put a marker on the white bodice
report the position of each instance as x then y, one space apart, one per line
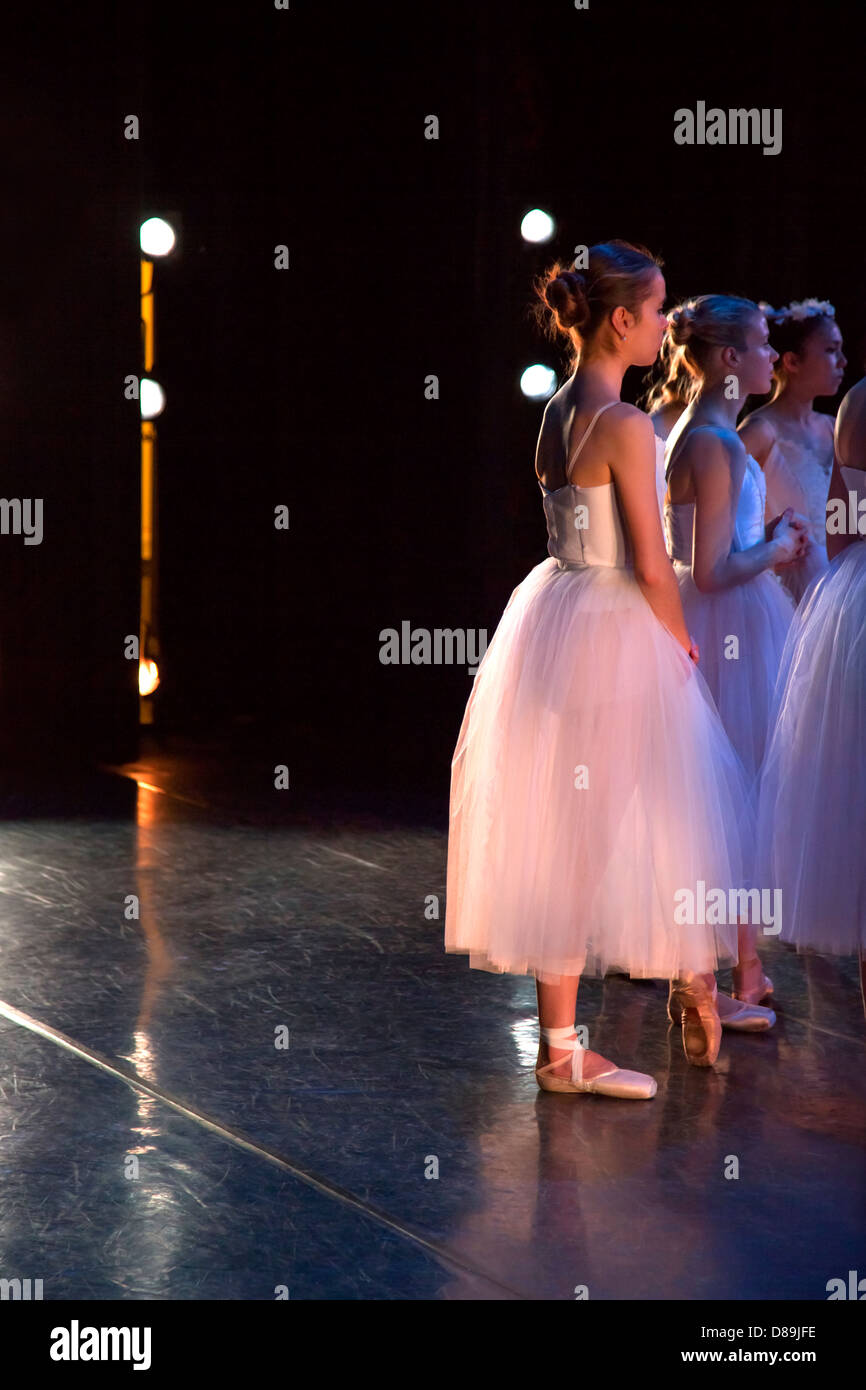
748 522
798 476
584 524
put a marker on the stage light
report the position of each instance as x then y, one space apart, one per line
156 237
148 676
152 398
537 226
538 382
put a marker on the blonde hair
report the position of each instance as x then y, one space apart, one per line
671 382
707 322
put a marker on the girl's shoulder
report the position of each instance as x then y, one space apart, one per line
826 424
713 446
626 421
759 432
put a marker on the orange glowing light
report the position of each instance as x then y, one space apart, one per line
148 677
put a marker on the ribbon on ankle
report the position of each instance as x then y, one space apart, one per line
559 1038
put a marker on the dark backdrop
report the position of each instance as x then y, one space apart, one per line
68 333
306 387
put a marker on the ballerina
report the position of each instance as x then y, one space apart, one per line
551 459
592 779
723 551
812 804
792 441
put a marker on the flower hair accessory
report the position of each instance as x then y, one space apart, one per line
797 311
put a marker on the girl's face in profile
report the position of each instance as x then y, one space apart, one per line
755 367
650 328
821 363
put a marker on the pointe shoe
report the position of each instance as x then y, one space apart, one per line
693 1004
754 994
623 1085
748 1018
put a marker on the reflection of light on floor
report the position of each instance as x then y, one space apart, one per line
508 1158
525 1035
156 1247
142 1059
160 1199
159 962
146 805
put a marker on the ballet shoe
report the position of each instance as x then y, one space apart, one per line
748 1018
751 994
622 1085
693 1004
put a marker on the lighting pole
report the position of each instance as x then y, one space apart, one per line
157 239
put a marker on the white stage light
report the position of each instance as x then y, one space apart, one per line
538 382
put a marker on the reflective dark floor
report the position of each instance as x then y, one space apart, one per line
398 1146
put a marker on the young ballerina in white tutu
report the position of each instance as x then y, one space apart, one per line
723 553
723 550
813 783
592 780
792 441
677 387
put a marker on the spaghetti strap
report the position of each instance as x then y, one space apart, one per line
669 457
587 432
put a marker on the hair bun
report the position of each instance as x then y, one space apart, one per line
681 323
566 295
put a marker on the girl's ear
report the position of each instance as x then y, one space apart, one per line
730 356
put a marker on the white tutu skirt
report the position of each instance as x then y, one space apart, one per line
591 783
812 806
758 614
797 578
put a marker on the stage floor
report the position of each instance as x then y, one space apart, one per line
303 1169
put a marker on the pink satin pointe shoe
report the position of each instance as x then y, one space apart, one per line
758 987
746 1018
693 1004
623 1085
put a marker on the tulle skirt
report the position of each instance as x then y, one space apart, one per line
741 635
593 790
812 808
797 578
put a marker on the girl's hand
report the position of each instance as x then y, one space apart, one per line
788 538
795 519
805 552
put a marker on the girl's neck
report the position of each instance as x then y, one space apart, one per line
715 406
600 373
794 406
